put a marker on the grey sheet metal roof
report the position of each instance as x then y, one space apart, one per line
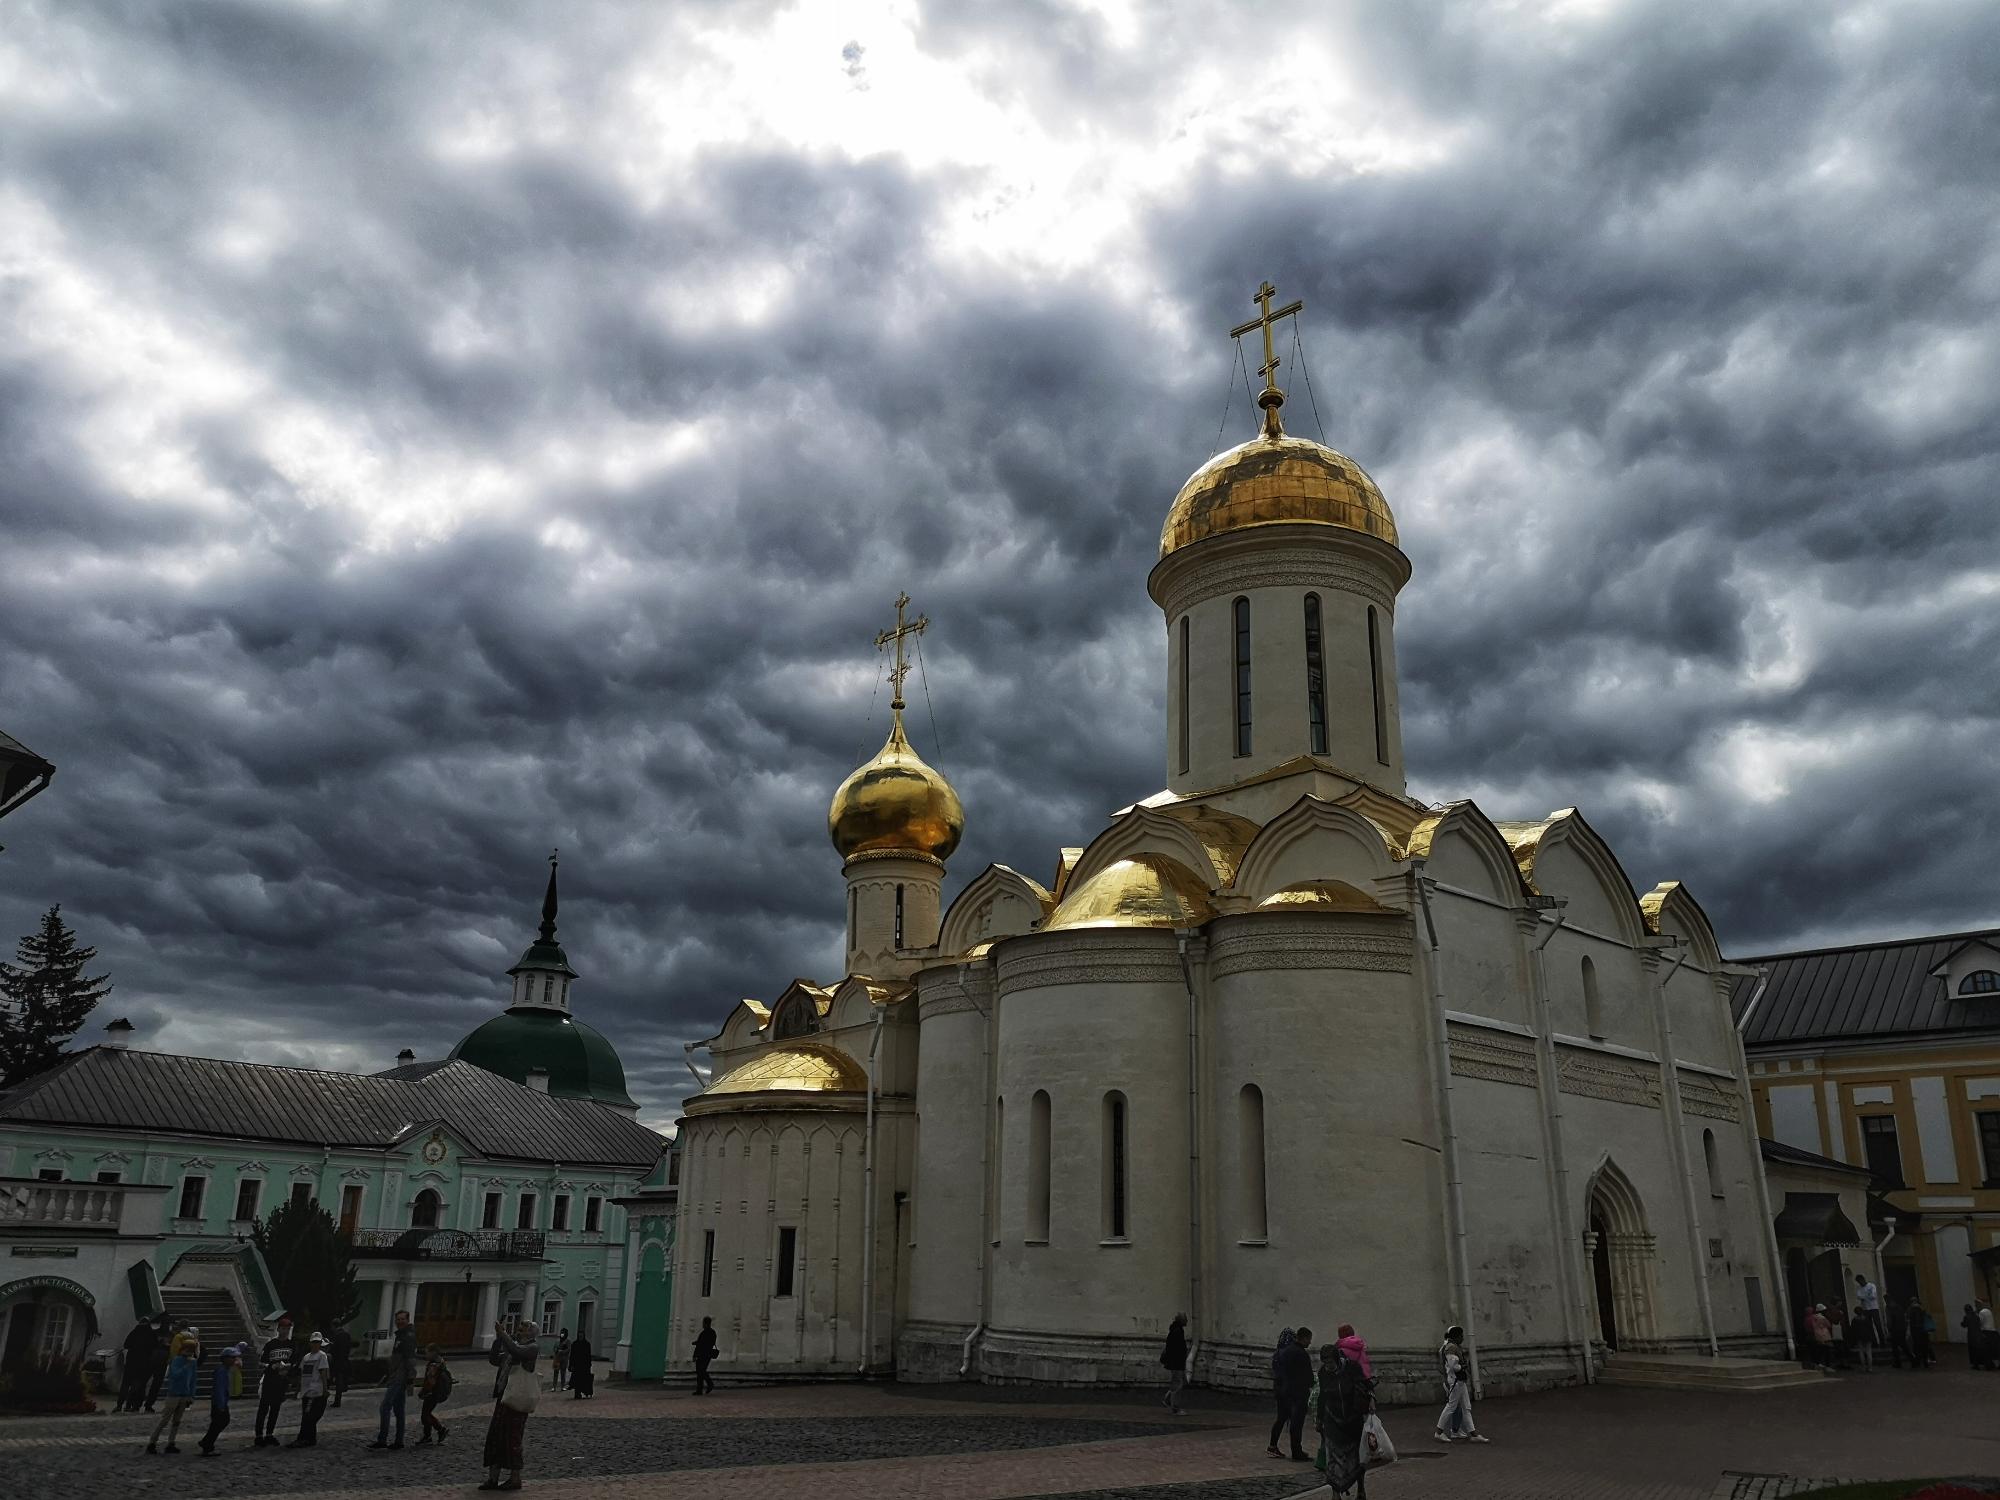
204 1096
1870 990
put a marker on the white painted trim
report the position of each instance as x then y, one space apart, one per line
1982 1088
1940 1155
1945 1202
1878 1093
1836 1123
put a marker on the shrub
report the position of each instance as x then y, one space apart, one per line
57 1386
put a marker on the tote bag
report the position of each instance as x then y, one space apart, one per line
523 1390
1376 1450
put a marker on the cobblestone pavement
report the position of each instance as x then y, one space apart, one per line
963 1443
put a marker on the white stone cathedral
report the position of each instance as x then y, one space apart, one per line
1280 1045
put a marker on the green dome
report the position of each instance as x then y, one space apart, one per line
581 1064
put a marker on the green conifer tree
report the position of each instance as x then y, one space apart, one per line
313 1265
45 997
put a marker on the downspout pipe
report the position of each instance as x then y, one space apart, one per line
986 1185
868 1207
1196 1322
1780 1297
1552 1114
1454 1200
1670 1067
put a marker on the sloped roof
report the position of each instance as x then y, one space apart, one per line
204 1096
1868 990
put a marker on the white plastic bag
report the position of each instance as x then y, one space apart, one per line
1376 1450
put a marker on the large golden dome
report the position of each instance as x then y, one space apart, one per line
896 804
1274 479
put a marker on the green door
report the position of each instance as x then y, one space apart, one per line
651 1308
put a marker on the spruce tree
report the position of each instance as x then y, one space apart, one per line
313 1265
45 997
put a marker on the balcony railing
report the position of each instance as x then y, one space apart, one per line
451 1244
33 1204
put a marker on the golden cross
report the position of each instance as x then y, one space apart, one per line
902 668
1270 398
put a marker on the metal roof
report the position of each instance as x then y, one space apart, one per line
1869 990
118 1089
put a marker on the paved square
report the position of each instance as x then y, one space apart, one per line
969 1443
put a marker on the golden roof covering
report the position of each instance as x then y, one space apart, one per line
896 803
794 1068
1147 890
1321 895
1271 480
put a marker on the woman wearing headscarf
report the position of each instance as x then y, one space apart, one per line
515 1391
1278 1390
1346 1396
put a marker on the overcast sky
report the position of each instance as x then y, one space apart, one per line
434 433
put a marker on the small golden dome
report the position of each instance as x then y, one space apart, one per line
1321 895
1147 890
896 804
1270 480
795 1068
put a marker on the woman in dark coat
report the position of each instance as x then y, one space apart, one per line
1346 1396
1919 1323
582 1379
504 1433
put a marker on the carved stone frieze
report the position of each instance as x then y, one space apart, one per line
1707 1097
1493 1055
1595 1075
1090 956
1324 948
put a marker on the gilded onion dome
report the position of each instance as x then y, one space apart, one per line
896 804
1276 478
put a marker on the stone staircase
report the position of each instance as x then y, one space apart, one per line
214 1312
1697 1372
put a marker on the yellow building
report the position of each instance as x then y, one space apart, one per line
1886 1056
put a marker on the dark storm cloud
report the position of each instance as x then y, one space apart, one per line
1676 359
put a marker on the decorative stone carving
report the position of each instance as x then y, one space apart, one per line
1341 948
1596 1075
1091 956
1704 1096
1496 1056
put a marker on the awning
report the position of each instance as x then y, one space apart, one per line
1816 1218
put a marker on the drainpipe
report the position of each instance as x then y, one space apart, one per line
1454 1200
868 1207
1671 1068
1552 1116
1775 1271
987 1188
687 1056
1196 1322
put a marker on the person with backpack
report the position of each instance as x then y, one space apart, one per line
1455 1370
436 1391
1174 1358
1278 1390
1294 1380
1346 1397
516 1390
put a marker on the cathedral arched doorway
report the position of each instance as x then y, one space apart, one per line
1623 1252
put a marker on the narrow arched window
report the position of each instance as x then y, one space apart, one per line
1256 1222
1184 695
1375 686
1709 1156
1242 676
1593 1003
1114 1166
1315 677
424 1212
548 988
899 917
1038 1167
853 904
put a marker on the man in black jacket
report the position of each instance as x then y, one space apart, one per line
1174 1358
1295 1381
704 1356
138 1370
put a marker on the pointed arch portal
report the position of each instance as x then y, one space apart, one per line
1622 1252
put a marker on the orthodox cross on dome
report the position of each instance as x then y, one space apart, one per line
902 631
1270 398
549 902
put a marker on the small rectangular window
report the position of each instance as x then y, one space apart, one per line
1989 1144
593 1215
1242 677
1375 694
248 1190
193 1190
524 1214
1184 695
1885 1155
788 1256
1315 677
899 917
559 1212
707 1262
48 1174
350 1208
113 1176
489 1212
1114 1177
302 1194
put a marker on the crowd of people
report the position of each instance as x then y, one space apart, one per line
1338 1393
1901 1333
164 1361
